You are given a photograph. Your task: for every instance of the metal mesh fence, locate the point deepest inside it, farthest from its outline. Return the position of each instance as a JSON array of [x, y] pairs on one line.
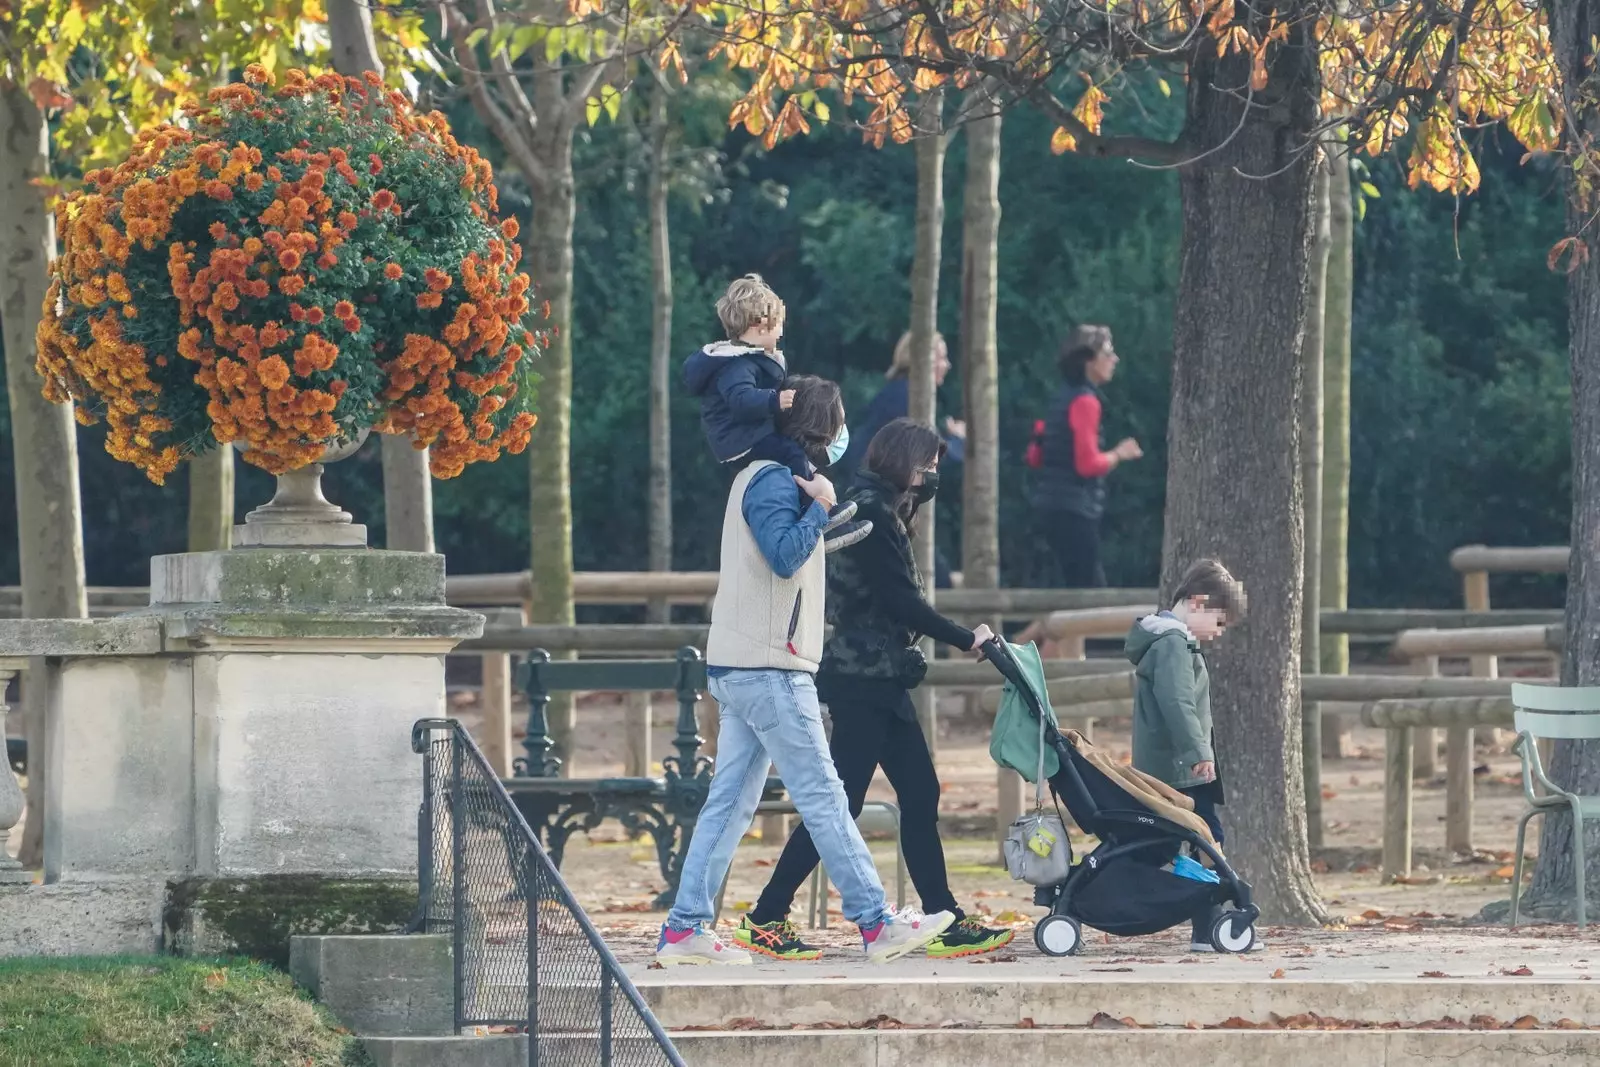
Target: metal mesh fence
[[526, 955]]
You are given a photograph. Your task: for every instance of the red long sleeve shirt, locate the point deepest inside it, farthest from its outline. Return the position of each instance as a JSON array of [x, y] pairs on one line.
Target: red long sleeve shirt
[[1083, 416]]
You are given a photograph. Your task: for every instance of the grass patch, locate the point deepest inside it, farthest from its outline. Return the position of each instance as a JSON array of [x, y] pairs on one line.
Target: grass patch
[[154, 1011]]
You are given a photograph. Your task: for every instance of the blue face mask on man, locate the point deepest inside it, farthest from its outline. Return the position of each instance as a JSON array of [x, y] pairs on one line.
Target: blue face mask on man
[[839, 446]]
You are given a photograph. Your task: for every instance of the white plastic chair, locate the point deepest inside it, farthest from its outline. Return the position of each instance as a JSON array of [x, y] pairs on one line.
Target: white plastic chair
[[1565, 713]]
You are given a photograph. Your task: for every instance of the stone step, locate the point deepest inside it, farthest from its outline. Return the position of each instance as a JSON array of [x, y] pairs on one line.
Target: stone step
[[495, 1050], [390, 985], [509, 1050], [1005, 1002], [1134, 1048]]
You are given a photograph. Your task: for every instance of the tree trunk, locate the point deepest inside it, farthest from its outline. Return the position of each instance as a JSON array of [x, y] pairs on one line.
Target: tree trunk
[[1575, 765], [660, 513], [44, 441], [1311, 433], [980, 511], [549, 248], [211, 500], [1233, 469], [1334, 586], [930, 149], [407, 485]]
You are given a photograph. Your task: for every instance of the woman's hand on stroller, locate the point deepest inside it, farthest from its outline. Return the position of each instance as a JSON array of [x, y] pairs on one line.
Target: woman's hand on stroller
[[1205, 770], [981, 636]]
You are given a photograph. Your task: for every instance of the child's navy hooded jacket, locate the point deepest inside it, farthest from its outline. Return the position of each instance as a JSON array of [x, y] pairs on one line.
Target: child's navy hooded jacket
[[738, 390]]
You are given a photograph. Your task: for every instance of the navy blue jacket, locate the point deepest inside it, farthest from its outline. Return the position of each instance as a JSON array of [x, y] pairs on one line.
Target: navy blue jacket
[[892, 402], [738, 390]]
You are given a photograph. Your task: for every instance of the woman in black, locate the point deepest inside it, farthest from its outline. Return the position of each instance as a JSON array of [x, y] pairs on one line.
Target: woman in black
[[869, 666]]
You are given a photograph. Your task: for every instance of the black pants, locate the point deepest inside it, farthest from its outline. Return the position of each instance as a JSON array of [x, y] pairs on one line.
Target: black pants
[[874, 726], [1075, 540], [1205, 806]]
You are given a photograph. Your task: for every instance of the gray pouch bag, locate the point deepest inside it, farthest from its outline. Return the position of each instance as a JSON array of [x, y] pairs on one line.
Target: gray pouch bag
[[1037, 849]]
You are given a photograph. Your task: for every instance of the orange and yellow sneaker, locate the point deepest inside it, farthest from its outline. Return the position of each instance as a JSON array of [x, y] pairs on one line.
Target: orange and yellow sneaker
[[969, 938], [778, 939]]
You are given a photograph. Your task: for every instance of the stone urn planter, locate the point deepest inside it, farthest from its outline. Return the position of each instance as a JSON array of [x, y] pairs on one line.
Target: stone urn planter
[[299, 515]]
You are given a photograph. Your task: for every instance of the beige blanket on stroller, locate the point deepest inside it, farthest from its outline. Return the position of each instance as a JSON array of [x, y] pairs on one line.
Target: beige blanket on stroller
[[1152, 793]]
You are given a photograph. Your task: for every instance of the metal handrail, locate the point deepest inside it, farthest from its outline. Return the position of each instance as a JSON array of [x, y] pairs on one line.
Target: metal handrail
[[473, 843]]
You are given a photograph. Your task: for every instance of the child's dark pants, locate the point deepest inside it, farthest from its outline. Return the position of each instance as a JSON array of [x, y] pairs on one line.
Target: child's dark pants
[[779, 449], [1205, 806]]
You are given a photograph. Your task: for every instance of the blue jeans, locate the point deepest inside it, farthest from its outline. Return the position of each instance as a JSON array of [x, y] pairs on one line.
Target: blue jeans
[[772, 716]]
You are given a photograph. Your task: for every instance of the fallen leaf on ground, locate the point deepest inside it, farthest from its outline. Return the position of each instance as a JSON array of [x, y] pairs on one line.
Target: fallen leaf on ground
[[1102, 1021], [1521, 972], [1007, 958], [1505, 872], [1192, 1025], [1372, 913], [655, 966], [1319, 866], [1568, 1024], [763, 863], [1433, 974], [1236, 1023], [1025, 1023], [1524, 1022]]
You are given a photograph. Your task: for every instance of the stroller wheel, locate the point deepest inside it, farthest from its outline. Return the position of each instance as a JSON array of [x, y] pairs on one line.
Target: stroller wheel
[[1058, 935], [1233, 931]]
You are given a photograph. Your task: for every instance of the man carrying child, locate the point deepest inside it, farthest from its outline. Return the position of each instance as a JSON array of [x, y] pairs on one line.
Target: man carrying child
[[762, 657]]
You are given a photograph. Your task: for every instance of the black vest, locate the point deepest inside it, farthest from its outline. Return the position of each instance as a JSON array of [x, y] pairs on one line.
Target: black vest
[[1057, 485]]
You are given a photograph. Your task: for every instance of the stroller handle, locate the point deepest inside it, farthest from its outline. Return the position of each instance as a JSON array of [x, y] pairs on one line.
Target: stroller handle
[[997, 652]]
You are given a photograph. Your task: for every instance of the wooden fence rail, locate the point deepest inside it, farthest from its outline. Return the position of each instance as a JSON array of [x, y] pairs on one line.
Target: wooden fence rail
[[1400, 718]]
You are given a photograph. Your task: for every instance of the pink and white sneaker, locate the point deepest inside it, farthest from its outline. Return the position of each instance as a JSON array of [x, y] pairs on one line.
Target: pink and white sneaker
[[902, 932], [697, 947]]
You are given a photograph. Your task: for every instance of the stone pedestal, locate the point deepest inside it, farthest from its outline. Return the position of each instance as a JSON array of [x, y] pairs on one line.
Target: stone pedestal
[[251, 728]]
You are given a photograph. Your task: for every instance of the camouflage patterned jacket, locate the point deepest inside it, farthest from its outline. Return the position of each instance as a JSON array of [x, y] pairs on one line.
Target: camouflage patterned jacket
[[875, 594]]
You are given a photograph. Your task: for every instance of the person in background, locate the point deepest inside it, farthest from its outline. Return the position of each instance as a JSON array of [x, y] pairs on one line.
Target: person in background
[[869, 666], [894, 402], [1070, 464]]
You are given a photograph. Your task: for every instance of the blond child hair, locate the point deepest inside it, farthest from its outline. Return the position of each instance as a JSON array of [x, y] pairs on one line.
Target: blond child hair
[[748, 303]]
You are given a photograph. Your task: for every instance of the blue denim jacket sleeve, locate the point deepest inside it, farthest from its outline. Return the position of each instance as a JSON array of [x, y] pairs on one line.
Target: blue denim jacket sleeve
[[786, 535]]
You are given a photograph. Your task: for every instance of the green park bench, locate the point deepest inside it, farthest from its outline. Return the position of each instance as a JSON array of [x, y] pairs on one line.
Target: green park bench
[[665, 808]]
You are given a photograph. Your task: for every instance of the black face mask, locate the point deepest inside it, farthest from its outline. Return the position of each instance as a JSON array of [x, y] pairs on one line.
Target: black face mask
[[928, 489]]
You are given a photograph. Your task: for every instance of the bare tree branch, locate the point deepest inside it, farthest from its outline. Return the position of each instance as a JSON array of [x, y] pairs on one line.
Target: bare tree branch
[[514, 136]]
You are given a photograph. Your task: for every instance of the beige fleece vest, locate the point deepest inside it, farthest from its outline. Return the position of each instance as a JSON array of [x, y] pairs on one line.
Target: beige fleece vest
[[759, 619]]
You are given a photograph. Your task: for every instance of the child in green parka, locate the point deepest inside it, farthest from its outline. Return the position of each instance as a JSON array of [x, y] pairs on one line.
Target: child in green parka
[[1172, 738]]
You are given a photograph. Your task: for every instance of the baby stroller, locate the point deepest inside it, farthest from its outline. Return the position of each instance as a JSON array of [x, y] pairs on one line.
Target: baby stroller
[[1122, 887]]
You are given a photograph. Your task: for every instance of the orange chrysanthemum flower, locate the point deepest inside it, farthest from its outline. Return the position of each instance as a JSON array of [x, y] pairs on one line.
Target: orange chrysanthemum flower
[[394, 272], [273, 372], [289, 259]]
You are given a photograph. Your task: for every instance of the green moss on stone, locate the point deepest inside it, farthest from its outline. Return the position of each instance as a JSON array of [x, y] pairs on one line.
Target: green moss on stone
[[255, 917]]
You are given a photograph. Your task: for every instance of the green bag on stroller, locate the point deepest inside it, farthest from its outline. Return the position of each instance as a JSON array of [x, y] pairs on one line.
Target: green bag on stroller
[[1015, 742], [1036, 847]]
